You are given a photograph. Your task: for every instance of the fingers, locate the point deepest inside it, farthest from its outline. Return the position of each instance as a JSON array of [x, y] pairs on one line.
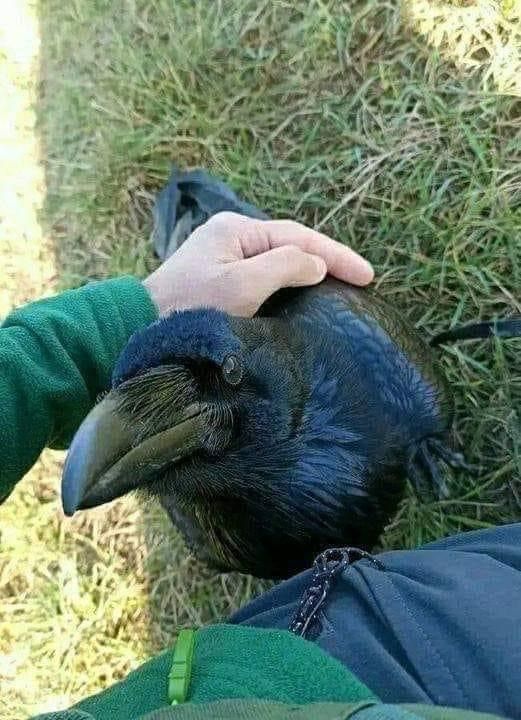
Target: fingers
[[342, 262], [282, 267], [247, 260], [259, 236]]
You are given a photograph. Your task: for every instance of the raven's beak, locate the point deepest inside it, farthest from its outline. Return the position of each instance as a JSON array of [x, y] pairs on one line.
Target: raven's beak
[[105, 462]]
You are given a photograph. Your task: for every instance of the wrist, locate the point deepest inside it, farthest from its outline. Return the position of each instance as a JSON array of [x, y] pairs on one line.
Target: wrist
[[153, 290], [159, 293]]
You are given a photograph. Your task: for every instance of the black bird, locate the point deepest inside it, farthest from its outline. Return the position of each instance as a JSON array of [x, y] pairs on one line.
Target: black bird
[[269, 439]]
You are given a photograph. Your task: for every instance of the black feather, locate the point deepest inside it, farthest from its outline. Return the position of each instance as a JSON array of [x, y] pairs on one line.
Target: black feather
[[339, 404], [507, 328]]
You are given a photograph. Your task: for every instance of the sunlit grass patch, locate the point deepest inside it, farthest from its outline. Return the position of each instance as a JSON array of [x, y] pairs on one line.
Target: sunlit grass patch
[[479, 36]]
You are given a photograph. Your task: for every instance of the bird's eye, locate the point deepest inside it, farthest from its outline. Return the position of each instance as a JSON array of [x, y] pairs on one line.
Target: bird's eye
[[232, 370]]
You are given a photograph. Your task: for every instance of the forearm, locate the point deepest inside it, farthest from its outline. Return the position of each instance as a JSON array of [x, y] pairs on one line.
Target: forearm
[[56, 356]]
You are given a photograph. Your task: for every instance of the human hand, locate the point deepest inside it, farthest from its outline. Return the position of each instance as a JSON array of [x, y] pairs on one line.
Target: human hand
[[234, 263]]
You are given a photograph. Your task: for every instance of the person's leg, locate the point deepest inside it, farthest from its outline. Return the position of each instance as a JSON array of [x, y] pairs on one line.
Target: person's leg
[[439, 624]]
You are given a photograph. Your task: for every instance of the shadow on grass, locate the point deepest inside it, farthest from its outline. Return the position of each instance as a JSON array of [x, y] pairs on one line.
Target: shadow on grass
[[338, 115]]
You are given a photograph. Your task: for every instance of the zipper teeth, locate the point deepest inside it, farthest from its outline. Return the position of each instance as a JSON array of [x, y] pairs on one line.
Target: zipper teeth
[[326, 567]]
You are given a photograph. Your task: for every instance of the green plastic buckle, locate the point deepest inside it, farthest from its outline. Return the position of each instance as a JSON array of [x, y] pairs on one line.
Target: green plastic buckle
[[181, 670]]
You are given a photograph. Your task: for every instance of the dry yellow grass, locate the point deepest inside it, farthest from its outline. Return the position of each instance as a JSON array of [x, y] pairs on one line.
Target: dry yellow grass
[[478, 36], [82, 602], [42, 605]]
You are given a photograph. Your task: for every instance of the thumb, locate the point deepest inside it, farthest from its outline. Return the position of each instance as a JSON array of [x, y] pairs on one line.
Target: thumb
[[285, 266]]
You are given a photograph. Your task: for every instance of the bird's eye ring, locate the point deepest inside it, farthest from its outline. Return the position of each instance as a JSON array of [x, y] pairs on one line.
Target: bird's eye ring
[[232, 370]]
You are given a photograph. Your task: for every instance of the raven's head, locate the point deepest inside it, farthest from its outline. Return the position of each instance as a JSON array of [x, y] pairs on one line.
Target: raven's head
[[201, 414], [265, 441]]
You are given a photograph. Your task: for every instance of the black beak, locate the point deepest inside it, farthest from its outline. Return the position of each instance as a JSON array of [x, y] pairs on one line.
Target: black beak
[[105, 462]]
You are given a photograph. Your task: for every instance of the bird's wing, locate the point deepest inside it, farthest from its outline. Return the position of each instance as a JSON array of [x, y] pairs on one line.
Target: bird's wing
[[309, 302]]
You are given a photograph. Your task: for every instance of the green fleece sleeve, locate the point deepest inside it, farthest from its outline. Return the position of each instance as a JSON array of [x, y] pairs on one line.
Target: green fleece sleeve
[[56, 356]]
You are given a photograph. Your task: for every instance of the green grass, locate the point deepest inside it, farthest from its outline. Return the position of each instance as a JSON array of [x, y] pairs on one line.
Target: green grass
[[396, 130]]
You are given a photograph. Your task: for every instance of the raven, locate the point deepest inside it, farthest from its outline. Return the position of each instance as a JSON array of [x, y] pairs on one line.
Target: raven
[[270, 439]]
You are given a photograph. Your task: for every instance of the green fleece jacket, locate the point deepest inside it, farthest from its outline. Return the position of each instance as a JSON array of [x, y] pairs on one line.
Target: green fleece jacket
[[56, 356]]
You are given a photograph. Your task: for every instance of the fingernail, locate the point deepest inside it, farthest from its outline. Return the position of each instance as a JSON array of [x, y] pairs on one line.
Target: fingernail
[[320, 265], [367, 271]]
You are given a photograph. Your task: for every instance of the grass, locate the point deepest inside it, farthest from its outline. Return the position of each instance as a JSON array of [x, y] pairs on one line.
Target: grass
[[396, 129]]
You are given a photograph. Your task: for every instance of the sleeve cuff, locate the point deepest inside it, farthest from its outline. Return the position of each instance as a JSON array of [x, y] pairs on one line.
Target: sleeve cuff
[[135, 305]]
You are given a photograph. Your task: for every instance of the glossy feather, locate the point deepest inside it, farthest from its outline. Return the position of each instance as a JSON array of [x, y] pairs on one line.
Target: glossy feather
[[334, 402], [370, 402]]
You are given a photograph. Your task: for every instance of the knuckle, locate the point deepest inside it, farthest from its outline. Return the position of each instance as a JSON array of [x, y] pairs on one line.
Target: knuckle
[[224, 219], [291, 253], [288, 226], [292, 224], [226, 276]]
